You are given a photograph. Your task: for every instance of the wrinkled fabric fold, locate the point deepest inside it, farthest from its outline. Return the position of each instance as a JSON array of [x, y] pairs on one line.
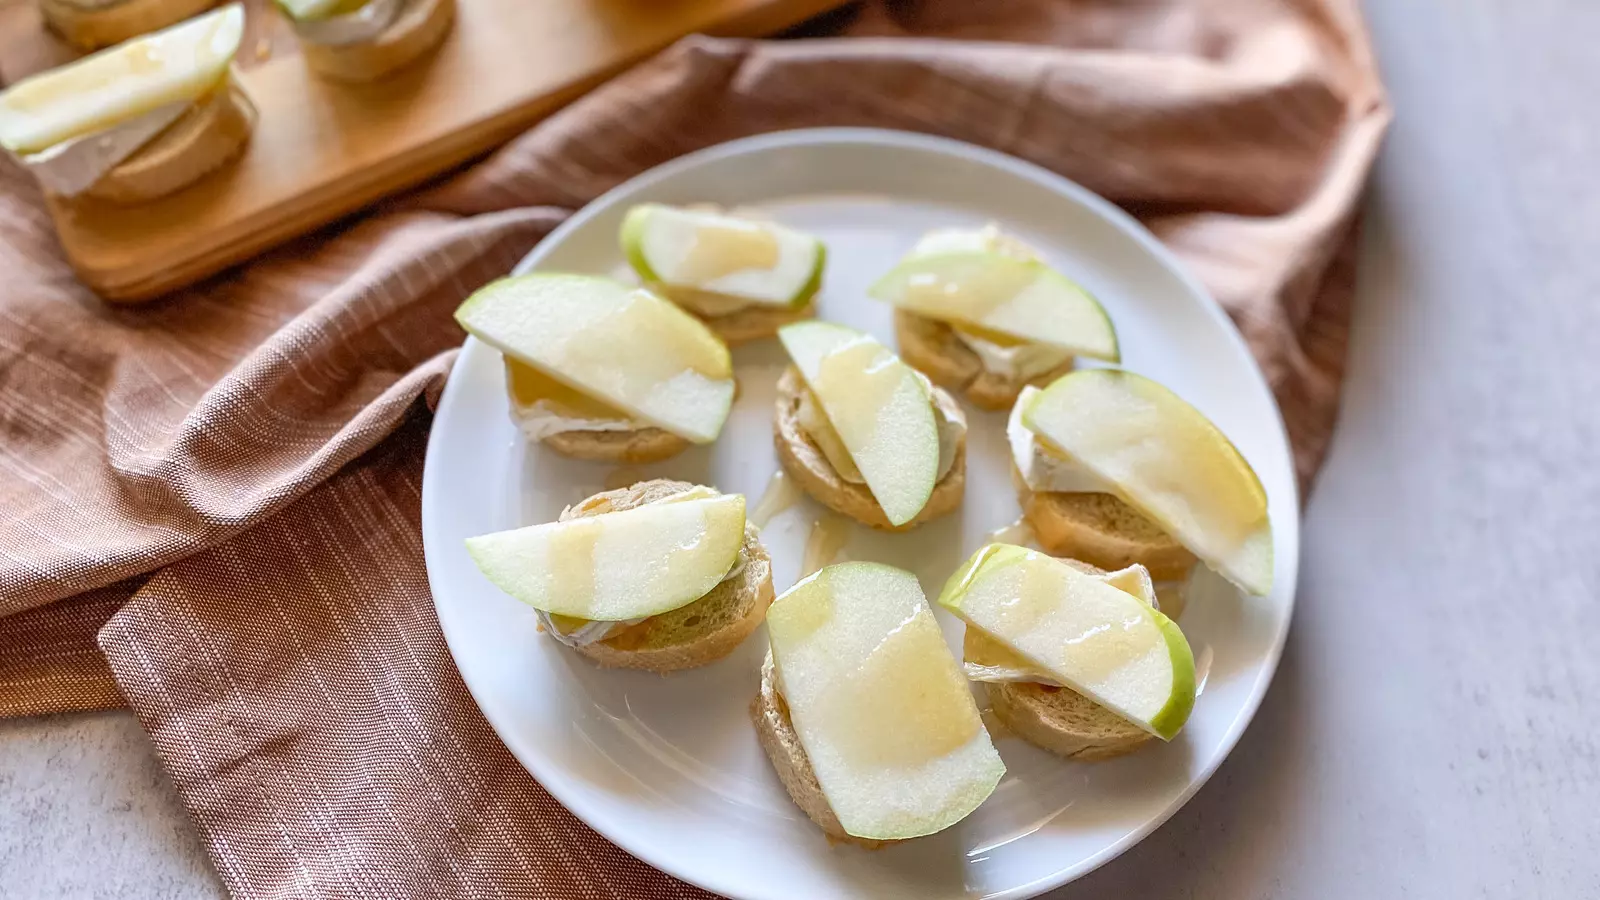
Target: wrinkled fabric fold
[[224, 484]]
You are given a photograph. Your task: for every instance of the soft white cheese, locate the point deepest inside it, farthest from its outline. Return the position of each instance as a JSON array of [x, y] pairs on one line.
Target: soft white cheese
[[543, 419], [362, 25], [1017, 362], [73, 166], [1042, 470]]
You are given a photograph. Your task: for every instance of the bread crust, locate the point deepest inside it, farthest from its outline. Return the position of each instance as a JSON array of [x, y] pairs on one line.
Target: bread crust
[[1103, 531], [421, 26], [775, 730], [805, 462], [644, 445], [641, 646], [753, 323], [1063, 721], [931, 347], [92, 29], [208, 135]]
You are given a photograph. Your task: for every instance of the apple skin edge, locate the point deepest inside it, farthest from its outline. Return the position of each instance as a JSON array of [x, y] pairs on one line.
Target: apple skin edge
[[1170, 720]]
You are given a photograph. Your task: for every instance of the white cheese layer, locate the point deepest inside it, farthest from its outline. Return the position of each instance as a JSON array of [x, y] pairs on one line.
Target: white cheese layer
[[75, 165], [1016, 362], [1041, 469], [543, 419]]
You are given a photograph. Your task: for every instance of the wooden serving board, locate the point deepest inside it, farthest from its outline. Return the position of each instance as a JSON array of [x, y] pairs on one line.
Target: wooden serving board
[[323, 149]]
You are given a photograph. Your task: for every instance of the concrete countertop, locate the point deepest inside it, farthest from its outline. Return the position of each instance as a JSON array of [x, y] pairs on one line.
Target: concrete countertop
[[1429, 733]]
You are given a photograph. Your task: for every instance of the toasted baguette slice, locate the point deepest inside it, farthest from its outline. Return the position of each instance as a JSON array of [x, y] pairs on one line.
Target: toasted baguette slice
[[421, 26], [207, 136], [635, 448], [1101, 530], [931, 347], [1060, 719], [804, 461], [778, 738], [1063, 721], [754, 323], [703, 631], [93, 27]]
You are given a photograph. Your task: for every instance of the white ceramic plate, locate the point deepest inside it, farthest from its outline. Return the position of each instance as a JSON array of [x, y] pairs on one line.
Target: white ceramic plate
[[669, 768]]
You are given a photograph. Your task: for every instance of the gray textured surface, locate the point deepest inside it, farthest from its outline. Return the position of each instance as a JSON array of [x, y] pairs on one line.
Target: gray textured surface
[[1428, 733]]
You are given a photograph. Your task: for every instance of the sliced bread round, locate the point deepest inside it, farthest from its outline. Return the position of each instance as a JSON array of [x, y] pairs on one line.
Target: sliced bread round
[[420, 26], [776, 732], [932, 347], [1062, 721], [1102, 530], [805, 462], [701, 632], [208, 135], [754, 322], [90, 26], [638, 447]]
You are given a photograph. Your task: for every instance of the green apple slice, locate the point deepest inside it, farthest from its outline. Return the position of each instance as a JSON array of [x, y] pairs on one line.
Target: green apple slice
[[878, 702], [174, 65], [985, 659], [1001, 293], [879, 407], [760, 262], [625, 346], [1096, 639], [1165, 459], [619, 565]]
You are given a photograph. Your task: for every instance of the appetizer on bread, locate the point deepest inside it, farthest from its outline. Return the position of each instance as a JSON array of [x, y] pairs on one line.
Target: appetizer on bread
[[1114, 469], [744, 277], [865, 434], [979, 313], [661, 576], [92, 24], [137, 121], [602, 371], [864, 713], [1075, 660], [362, 40]]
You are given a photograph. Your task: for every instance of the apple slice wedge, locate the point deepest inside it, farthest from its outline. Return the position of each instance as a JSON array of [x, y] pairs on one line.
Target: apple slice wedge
[[1002, 293], [624, 346], [879, 407], [174, 65], [760, 262], [1103, 642], [878, 702], [1165, 459], [985, 659], [619, 565]]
